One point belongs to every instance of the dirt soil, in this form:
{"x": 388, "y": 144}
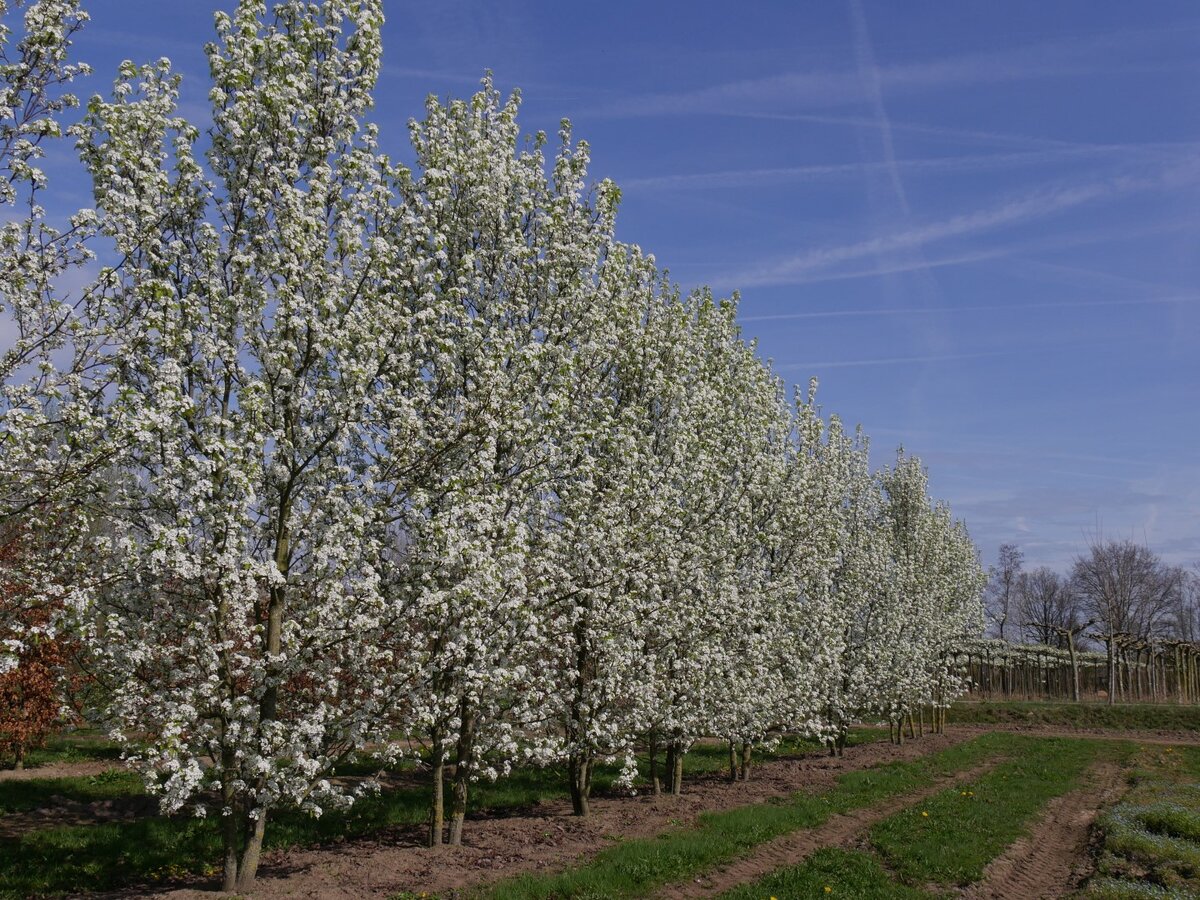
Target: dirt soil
{"x": 790, "y": 849}
{"x": 60, "y": 770}
{"x": 544, "y": 838}
{"x": 1052, "y": 861}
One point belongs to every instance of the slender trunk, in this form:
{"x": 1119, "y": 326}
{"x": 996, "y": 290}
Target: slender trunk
{"x": 580, "y": 768}
{"x": 19, "y": 763}
{"x": 437, "y": 799}
{"x": 677, "y": 773}
{"x": 229, "y": 822}
{"x": 747, "y": 750}
{"x": 248, "y": 866}
{"x": 912, "y": 733}
{"x": 921, "y": 721}
{"x": 1074, "y": 666}
{"x": 655, "y": 781}
{"x": 463, "y": 763}
{"x": 1112, "y": 672}
{"x": 733, "y": 764}
{"x": 269, "y": 705}
{"x": 672, "y": 752}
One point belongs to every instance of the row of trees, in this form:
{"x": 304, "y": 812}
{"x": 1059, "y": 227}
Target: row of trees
{"x": 1119, "y": 596}
{"x": 350, "y": 454}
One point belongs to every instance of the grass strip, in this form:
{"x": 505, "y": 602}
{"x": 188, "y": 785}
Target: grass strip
{"x": 1123, "y": 716}
{"x": 636, "y": 868}
{"x": 1151, "y": 839}
{"x": 950, "y": 838}
{"x": 829, "y": 872}
{"x": 107, "y": 856}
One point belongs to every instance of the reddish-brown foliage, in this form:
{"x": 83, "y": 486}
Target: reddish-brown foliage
{"x": 31, "y": 695}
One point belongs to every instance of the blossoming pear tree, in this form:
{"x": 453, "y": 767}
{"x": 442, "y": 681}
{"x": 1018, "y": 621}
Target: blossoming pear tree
{"x": 364, "y": 458}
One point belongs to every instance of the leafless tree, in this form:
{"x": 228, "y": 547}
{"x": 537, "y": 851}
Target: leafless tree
{"x": 1130, "y": 593}
{"x": 1002, "y": 587}
{"x": 1048, "y": 607}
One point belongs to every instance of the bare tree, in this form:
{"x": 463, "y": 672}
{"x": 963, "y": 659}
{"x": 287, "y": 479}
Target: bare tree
{"x": 1128, "y": 590}
{"x": 1185, "y": 611}
{"x": 1048, "y": 607}
{"x": 1004, "y": 578}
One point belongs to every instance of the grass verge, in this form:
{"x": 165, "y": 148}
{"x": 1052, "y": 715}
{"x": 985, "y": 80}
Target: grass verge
{"x": 1124, "y": 716}
{"x": 830, "y": 872}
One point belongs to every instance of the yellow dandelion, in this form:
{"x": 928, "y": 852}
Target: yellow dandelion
{"x": 924, "y": 814}
{"x": 828, "y": 889}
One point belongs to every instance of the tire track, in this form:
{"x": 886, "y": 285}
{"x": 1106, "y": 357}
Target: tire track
{"x": 792, "y": 848}
{"x": 1052, "y": 860}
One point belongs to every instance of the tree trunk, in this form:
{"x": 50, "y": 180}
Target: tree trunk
{"x": 1074, "y": 666}
{"x": 580, "y": 768}
{"x": 463, "y": 763}
{"x": 670, "y": 768}
{"x": 229, "y": 822}
{"x": 437, "y": 798}
{"x": 248, "y": 866}
{"x": 677, "y": 771}
{"x": 655, "y": 781}
{"x": 19, "y": 762}
{"x": 733, "y": 763}
{"x": 747, "y": 750}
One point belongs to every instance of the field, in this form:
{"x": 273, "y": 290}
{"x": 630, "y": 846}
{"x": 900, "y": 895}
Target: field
{"x": 1015, "y": 800}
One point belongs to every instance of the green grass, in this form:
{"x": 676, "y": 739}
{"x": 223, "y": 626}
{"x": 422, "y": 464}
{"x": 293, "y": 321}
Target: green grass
{"x": 638, "y": 867}
{"x": 829, "y": 873}
{"x": 33, "y": 793}
{"x": 1125, "y": 716}
{"x": 950, "y": 838}
{"x": 1151, "y": 839}
{"x": 83, "y": 745}
{"x": 112, "y": 855}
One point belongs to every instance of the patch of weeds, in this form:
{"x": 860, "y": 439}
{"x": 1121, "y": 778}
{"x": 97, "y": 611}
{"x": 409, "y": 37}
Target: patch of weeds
{"x": 1151, "y": 839}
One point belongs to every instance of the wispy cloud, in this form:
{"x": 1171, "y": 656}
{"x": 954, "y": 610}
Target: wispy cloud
{"x": 824, "y": 89}
{"x": 868, "y": 72}
{"x": 1035, "y": 205}
{"x": 965, "y": 163}
{"x": 891, "y": 360}
{"x": 991, "y": 307}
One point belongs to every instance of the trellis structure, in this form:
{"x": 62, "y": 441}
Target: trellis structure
{"x": 1149, "y": 671}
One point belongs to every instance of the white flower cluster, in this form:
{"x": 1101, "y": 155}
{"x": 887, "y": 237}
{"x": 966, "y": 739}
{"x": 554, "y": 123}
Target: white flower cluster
{"x": 395, "y": 455}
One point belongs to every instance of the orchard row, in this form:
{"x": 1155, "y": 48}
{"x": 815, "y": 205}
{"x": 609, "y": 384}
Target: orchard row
{"x": 310, "y": 452}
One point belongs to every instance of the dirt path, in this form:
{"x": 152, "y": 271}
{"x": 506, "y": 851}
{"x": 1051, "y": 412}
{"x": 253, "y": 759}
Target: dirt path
{"x": 544, "y": 838}
{"x": 790, "y": 849}
{"x": 61, "y": 770}
{"x": 1052, "y": 861}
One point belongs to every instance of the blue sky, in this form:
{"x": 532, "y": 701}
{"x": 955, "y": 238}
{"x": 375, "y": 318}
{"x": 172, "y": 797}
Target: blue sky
{"x": 975, "y": 222}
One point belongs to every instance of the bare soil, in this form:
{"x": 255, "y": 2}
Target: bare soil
{"x": 60, "y": 770}
{"x": 544, "y": 838}
{"x": 1052, "y": 861}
